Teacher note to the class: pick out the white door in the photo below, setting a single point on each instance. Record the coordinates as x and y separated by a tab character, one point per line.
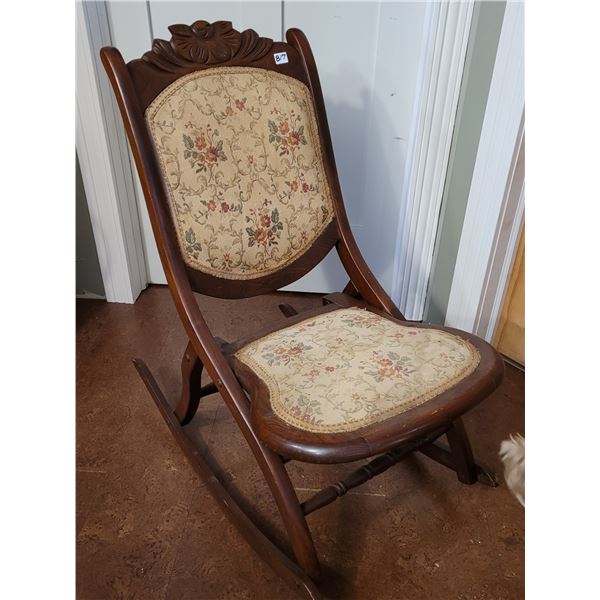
368	55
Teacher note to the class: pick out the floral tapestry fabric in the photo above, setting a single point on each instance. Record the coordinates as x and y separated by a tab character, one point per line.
241	160
349	368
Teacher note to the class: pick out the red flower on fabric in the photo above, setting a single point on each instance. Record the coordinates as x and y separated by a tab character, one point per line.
261	235
212	154
200	142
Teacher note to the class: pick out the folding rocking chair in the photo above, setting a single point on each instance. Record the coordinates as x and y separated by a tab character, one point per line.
232	145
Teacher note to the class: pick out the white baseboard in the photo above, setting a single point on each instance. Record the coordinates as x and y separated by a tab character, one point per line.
89	296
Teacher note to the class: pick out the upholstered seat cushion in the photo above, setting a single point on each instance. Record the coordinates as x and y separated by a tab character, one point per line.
349	368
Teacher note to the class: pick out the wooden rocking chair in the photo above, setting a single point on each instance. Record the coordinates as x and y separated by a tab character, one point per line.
232	145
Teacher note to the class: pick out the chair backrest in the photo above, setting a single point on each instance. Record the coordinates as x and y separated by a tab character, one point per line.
234	136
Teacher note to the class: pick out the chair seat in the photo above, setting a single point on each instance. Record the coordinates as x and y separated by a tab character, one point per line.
348	369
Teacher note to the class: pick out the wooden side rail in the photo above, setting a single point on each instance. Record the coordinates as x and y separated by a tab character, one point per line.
377	466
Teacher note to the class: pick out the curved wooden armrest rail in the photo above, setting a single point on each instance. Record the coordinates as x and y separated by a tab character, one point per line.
136	84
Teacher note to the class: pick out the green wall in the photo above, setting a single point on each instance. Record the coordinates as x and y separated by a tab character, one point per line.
481	54
88	278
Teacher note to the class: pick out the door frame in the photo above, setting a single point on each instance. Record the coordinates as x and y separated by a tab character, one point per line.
444	51
106	169
495	209
110	186
505	248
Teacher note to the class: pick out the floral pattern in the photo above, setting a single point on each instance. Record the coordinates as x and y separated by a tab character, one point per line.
203	148
192	246
265	228
283	136
240	155
349	368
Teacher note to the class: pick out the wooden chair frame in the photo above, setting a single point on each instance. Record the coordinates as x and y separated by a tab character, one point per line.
135	85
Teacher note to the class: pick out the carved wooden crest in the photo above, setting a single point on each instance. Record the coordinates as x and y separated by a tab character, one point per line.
204	43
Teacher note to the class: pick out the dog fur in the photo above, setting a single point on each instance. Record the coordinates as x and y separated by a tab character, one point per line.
512	453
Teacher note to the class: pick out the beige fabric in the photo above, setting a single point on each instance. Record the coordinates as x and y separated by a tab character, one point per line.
350	368
241	159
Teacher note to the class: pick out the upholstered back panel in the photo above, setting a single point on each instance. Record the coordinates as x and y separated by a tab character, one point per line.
241	159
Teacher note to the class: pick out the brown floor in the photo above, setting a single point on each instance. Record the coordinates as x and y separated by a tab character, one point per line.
147	528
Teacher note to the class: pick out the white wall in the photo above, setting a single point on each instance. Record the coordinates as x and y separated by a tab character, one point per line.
368	56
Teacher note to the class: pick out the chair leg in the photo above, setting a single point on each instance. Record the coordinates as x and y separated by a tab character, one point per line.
301	574
464	463
191	373
291	513
272	466
280	485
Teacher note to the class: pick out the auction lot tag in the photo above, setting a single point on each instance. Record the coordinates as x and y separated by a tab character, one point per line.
280	58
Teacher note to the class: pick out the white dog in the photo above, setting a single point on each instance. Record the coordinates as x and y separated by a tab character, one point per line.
512	453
